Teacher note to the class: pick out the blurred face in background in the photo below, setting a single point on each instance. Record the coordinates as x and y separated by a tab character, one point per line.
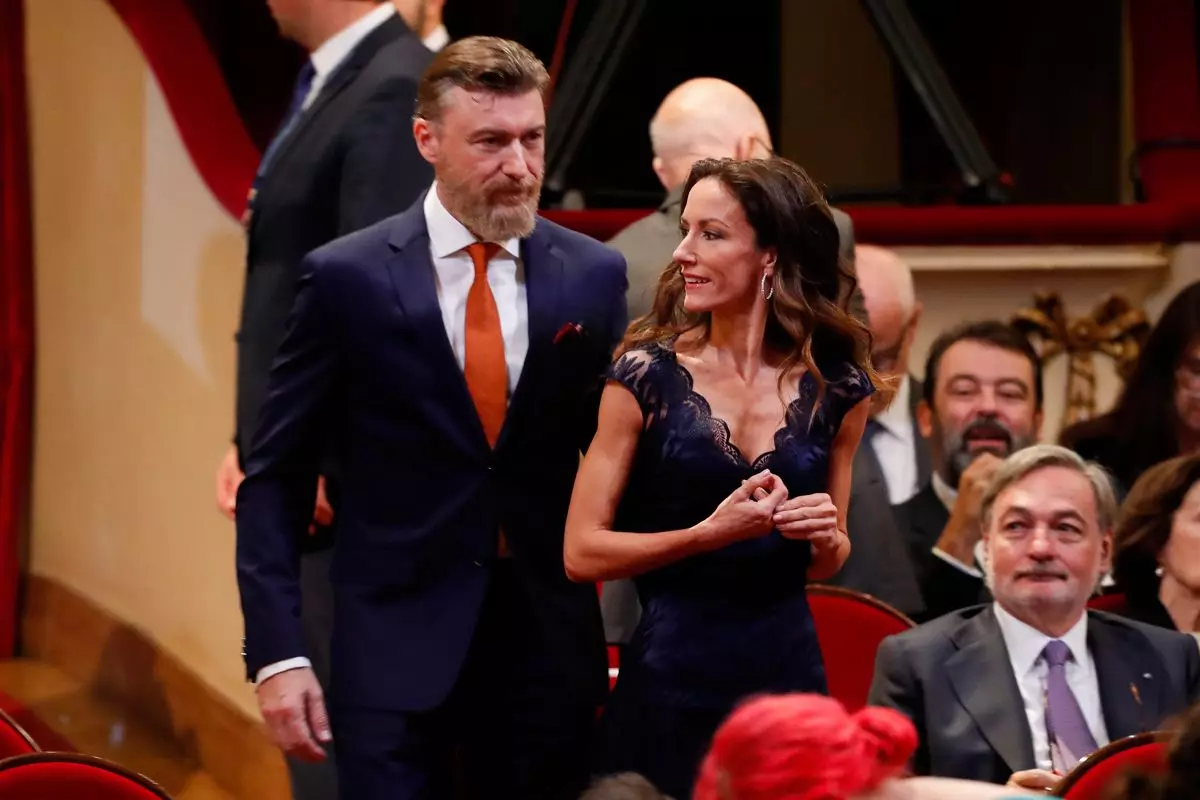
983	403
1180	556
1187	390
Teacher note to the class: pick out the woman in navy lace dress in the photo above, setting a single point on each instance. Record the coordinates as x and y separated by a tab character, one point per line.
720	472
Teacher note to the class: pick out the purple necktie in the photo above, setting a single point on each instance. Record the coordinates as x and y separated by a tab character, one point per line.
1070	737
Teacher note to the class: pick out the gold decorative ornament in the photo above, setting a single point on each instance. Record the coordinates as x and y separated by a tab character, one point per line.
1115	327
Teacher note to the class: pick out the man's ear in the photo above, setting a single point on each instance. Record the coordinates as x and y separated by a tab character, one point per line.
925	419
660	170
913	323
426	139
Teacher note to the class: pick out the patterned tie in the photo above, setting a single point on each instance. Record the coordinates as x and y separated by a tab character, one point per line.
304	82
484	366
1070	737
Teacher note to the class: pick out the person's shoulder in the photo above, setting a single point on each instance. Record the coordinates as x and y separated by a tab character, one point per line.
1162	639
364	247
933	637
1090	438
403	55
583	249
654	228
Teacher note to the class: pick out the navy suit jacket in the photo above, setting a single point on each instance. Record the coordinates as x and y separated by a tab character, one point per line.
421	495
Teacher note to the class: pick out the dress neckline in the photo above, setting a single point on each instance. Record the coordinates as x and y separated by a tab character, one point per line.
721	434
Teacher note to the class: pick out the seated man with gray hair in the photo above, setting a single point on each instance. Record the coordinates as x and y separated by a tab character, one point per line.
1019	690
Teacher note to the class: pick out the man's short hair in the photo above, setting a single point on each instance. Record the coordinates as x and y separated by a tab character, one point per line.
991	332
1041	456
479	64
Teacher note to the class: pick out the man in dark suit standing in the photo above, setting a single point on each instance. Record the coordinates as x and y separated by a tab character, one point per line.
982	402
1020	690
343	158
895	462
455	352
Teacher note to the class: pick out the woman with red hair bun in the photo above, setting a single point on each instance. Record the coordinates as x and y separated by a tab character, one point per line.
807	747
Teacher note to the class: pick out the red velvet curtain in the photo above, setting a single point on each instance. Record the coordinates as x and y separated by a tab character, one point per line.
16	312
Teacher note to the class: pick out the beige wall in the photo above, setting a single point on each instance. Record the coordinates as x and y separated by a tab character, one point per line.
138	276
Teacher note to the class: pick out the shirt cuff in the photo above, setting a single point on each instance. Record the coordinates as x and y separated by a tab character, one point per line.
958	565
271	670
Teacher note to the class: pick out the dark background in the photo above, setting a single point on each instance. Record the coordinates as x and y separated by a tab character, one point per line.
1042	82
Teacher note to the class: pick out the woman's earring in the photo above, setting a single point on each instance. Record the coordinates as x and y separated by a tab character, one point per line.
768	293
1159	571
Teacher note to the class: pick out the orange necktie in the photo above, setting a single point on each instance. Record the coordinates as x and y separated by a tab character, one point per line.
484	366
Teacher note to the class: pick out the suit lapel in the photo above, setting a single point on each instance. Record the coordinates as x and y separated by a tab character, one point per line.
415	282
981	676
543	264
866	471
342	76
1126	676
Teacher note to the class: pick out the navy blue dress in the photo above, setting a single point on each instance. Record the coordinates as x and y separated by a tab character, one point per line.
720	626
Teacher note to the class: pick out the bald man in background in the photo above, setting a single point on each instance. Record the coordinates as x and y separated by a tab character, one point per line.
700	118
893	461
425	18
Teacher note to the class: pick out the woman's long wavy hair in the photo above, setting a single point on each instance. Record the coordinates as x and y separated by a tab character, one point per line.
808	311
1145	420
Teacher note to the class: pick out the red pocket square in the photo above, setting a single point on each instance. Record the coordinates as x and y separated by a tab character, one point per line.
568	330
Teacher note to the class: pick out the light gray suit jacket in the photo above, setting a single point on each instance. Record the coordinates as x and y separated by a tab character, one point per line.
647	246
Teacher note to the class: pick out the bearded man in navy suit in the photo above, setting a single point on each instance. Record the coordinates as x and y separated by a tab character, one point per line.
452	354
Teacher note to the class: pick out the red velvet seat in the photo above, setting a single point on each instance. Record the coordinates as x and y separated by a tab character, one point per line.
14	740
1112	603
69	776
850	627
1093	776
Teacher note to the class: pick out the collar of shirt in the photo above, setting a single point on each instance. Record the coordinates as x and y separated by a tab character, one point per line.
1025	643
944	491
449	236
896	419
327	57
438	38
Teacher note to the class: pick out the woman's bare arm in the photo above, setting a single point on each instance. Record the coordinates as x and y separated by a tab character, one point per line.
592	551
827	562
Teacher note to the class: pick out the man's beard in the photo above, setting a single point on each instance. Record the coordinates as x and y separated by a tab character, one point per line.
960	454
489	211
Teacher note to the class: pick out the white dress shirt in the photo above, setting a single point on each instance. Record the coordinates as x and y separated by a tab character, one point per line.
448	240
438	38
895	445
1025	645
455	274
326	58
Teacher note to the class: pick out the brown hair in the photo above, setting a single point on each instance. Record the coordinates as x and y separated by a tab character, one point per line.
807	312
1145	523
479	64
